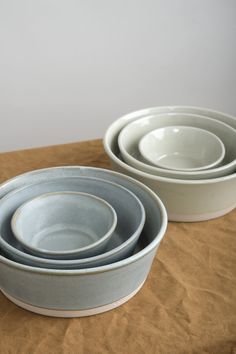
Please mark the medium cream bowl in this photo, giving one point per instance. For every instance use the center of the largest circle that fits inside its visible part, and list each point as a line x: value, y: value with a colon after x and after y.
x: 185, y: 200
x: 131, y: 135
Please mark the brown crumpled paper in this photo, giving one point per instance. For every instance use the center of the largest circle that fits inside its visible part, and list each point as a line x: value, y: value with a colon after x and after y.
x: 187, y: 305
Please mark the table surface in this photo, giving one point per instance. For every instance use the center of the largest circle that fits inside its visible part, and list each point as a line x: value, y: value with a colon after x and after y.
x: 187, y: 305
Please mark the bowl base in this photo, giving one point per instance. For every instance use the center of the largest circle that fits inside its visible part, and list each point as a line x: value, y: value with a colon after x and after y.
x: 72, y: 313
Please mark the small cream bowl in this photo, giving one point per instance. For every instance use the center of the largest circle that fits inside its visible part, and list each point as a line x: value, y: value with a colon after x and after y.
x: 182, y: 148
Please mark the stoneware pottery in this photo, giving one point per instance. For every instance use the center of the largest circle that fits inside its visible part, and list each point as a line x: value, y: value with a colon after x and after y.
x: 185, y: 200
x: 129, y: 138
x: 83, y: 292
x: 130, y: 221
x: 182, y: 148
x: 64, y: 225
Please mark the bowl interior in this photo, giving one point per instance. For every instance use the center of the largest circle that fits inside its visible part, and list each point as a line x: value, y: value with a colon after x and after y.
x: 181, y: 148
x: 63, y: 222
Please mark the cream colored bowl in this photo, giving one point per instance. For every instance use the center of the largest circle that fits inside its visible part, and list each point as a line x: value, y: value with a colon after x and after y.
x: 182, y: 148
x: 186, y: 200
x: 131, y: 134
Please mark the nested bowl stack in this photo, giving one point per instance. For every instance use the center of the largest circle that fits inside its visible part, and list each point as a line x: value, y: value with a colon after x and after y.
x: 188, y: 196
x: 99, y: 284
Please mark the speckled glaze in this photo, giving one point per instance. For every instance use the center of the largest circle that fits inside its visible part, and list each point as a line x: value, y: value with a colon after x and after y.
x: 64, y: 225
x: 130, y: 220
x: 185, y: 200
x: 93, y: 289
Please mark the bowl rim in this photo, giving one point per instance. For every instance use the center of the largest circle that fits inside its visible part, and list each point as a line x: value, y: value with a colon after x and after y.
x: 105, y: 268
x: 149, y: 176
x: 76, y: 251
x: 221, y: 153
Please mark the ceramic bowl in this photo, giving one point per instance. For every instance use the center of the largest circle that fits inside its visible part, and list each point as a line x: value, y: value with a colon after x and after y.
x: 182, y: 148
x: 84, y: 292
x: 64, y: 225
x: 130, y: 220
x: 131, y: 134
x: 185, y: 200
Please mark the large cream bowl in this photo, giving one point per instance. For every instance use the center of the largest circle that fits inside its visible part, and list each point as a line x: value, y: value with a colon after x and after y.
x: 185, y: 200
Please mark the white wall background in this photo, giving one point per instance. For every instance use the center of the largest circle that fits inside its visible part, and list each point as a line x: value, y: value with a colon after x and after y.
x: 68, y: 68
